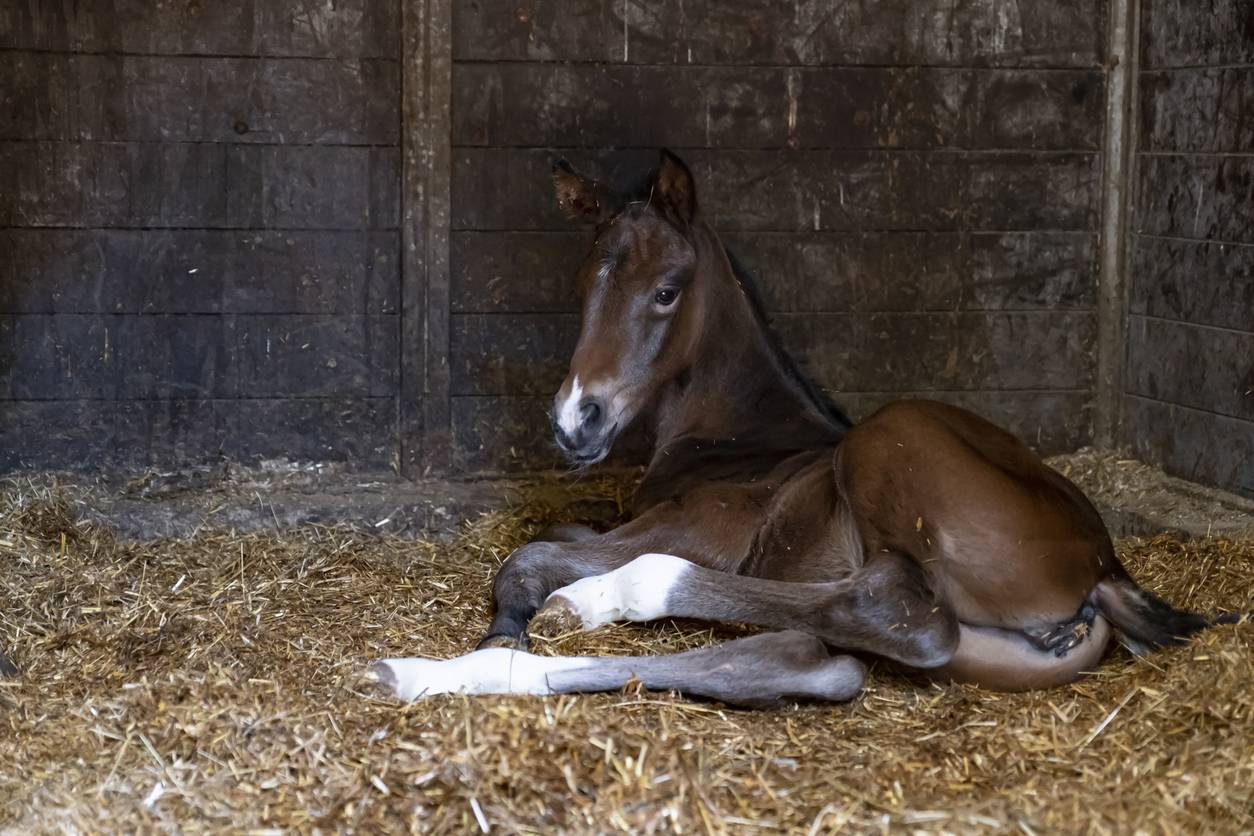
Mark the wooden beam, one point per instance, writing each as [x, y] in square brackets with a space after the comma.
[1117, 195]
[426, 83]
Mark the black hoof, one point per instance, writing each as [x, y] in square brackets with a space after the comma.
[502, 640]
[1069, 635]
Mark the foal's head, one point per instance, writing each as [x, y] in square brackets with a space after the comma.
[641, 314]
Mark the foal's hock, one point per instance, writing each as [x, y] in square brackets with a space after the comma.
[923, 534]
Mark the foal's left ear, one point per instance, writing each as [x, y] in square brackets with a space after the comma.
[674, 192]
[581, 198]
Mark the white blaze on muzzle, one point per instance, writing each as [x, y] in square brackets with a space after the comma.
[569, 417]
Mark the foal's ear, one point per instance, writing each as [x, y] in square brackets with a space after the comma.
[674, 192]
[581, 198]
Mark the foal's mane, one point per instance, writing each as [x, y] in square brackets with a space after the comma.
[792, 370]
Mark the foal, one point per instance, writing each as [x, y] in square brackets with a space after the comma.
[924, 534]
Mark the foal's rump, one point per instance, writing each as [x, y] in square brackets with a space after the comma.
[1008, 542]
[1015, 549]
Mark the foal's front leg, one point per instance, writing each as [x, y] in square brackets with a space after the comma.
[758, 670]
[533, 571]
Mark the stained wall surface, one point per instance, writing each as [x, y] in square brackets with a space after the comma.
[1190, 362]
[198, 231]
[201, 248]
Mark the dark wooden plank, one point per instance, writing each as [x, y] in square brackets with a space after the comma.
[111, 184]
[171, 432]
[302, 187]
[520, 272]
[510, 354]
[1199, 446]
[1196, 197]
[528, 354]
[532, 272]
[1197, 110]
[343, 29]
[532, 31]
[61, 435]
[710, 107]
[1177, 33]
[920, 271]
[195, 185]
[908, 352]
[37, 101]
[357, 430]
[503, 434]
[177, 356]
[979, 32]
[584, 105]
[197, 271]
[1039, 110]
[208, 99]
[59, 356]
[1205, 368]
[1209, 284]
[815, 190]
[325, 355]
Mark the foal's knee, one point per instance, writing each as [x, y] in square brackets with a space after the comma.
[902, 616]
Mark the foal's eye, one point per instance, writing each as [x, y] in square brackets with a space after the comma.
[665, 296]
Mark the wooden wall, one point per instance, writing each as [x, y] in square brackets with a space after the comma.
[201, 249]
[915, 183]
[198, 231]
[1190, 365]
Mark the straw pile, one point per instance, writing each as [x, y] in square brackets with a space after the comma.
[213, 684]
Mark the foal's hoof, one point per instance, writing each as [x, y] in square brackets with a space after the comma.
[502, 640]
[558, 618]
[1070, 634]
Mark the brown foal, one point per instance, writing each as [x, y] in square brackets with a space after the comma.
[923, 534]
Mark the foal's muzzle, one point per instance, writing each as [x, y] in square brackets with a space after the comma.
[587, 439]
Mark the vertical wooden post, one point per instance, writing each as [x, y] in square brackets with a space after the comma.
[426, 92]
[1117, 192]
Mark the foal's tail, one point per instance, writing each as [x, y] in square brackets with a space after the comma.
[1146, 621]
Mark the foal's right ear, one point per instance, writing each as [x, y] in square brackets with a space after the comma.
[581, 198]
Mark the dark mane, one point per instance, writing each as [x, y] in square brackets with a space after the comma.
[826, 407]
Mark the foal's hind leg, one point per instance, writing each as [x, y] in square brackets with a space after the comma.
[758, 670]
[886, 607]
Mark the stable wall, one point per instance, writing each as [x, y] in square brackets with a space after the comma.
[362, 191]
[1189, 401]
[199, 249]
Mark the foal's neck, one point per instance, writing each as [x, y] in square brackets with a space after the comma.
[737, 390]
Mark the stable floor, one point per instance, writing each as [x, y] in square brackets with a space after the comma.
[213, 682]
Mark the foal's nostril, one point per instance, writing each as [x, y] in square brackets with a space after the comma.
[590, 413]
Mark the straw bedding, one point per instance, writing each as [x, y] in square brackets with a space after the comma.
[213, 684]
